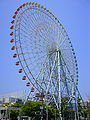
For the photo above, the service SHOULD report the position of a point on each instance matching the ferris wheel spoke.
(25, 32)
(16, 29)
(61, 39)
(33, 17)
(64, 46)
(28, 27)
(27, 24)
(25, 27)
(40, 57)
(60, 33)
(25, 45)
(45, 36)
(39, 45)
(45, 24)
(25, 36)
(30, 19)
(35, 31)
(37, 60)
(65, 81)
(34, 74)
(67, 67)
(42, 68)
(37, 16)
(28, 53)
(48, 34)
(68, 61)
(30, 30)
(64, 40)
(51, 74)
(40, 63)
(26, 58)
(44, 79)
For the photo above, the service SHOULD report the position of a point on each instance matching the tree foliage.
(14, 114)
(87, 110)
(66, 109)
(79, 106)
(81, 111)
(32, 109)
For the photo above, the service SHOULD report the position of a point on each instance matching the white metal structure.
(45, 53)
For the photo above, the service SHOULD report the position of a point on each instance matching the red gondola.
(12, 21)
(17, 63)
(13, 48)
(23, 4)
(14, 16)
(12, 40)
(32, 89)
(11, 27)
(37, 94)
(41, 98)
(16, 13)
(11, 33)
(24, 78)
(20, 71)
(15, 55)
(18, 9)
(27, 85)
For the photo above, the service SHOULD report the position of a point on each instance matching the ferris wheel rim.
(20, 61)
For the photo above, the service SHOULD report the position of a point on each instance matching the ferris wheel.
(45, 53)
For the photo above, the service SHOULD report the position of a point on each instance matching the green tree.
(32, 109)
(14, 114)
(81, 110)
(87, 110)
(52, 111)
(79, 106)
(65, 108)
(16, 105)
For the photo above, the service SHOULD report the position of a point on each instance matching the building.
(8, 100)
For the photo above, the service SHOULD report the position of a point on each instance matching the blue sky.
(75, 17)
